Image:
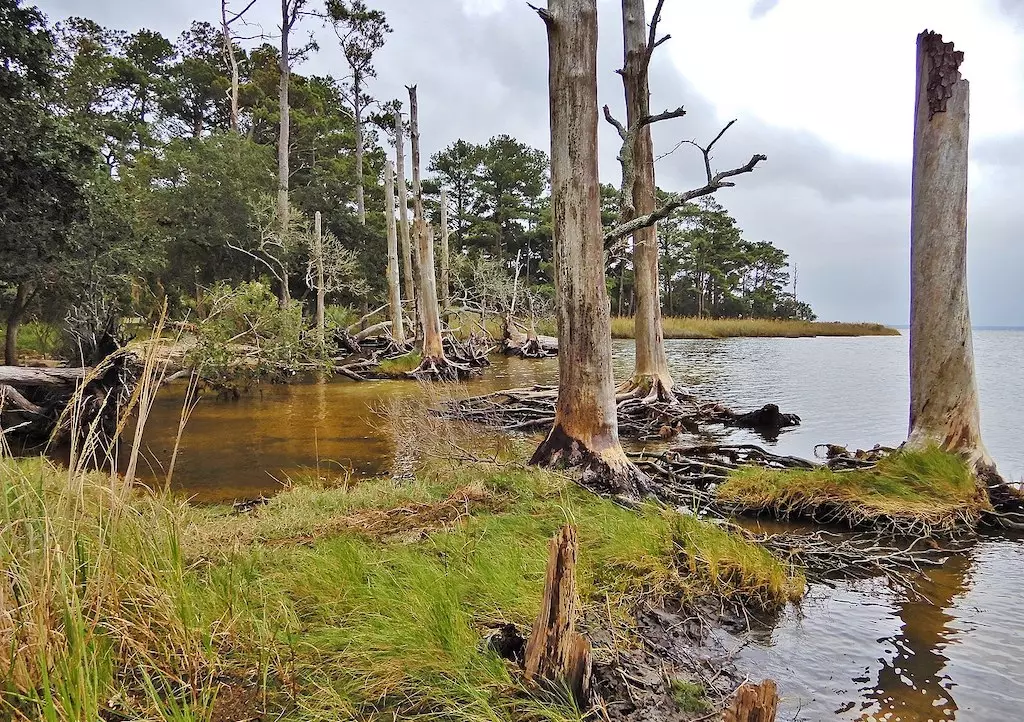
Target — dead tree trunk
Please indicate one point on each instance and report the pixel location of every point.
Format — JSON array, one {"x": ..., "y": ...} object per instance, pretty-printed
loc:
[
  {"x": 651, "y": 376},
  {"x": 944, "y": 407},
  {"x": 557, "y": 656},
  {"x": 394, "y": 288},
  {"x": 434, "y": 364},
  {"x": 585, "y": 432},
  {"x": 229, "y": 55},
  {"x": 753, "y": 703},
  {"x": 289, "y": 15},
  {"x": 445, "y": 282},
  {"x": 358, "y": 114},
  {"x": 318, "y": 239},
  {"x": 411, "y": 292}
]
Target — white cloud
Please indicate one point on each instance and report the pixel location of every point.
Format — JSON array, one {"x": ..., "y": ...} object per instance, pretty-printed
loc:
[{"x": 845, "y": 71}]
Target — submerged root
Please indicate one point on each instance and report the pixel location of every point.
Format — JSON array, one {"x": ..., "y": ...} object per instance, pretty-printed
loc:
[{"x": 440, "y": 368}]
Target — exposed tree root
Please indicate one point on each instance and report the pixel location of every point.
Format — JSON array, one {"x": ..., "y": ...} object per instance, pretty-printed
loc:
[
  {"x": 533, "y": 409},
  {"x": 440, "y": 368},
  {"x": 472, "y": 352},
  {"x": 527, "y": 345},
  {"x": 607, "y": 472}
]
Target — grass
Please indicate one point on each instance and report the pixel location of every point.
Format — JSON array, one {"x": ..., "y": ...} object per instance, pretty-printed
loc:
[
  {"x": 401, "y": 366},
  {"x": 39, "y": 340},
  {"x": 690, "y": 697},
  {"x": 675, "y": 327},
  {"x": 326, "y": 603},
  {"x": 930, "y": 488}
]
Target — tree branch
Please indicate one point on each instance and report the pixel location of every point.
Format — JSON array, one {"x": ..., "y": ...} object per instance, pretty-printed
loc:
[
  {"x": 664, "y": 115},
  {"x": 618, "y": 125},
  {"x": 652, "y": 41},
  {"x": 544, "y": 14}
]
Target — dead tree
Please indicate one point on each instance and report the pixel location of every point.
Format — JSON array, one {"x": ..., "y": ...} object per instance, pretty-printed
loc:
[
  {"x": 585, "y": 432},
  {"x": 409, "y": 285},
  {"x": 290, "y": 13},
  {"x": 944, "y": 408},
  {"x": 227, "y": 19},
  {"x": 651, "y": 379},
  {"x": 321, "y": 291},
  {"x": 446, "y": 298},
  {"x": 557, "y": 656},
  {"x": 394, "y": 288},
  {"x": 753, "y": 703},
  {"x": 434, "y": 363}
]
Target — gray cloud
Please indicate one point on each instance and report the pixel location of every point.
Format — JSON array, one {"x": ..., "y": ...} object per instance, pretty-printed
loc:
[{"x": 843, "y": 219}]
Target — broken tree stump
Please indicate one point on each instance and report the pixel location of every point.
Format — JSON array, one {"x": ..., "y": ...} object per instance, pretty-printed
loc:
[
  {"x": 753, "y": 703},
  {"x": 557, "y": 656}
]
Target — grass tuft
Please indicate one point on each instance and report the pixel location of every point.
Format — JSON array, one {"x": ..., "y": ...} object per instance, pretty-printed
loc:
[
  {"x": 931, "y": 489},
  {"x": 401, "y": 366}
]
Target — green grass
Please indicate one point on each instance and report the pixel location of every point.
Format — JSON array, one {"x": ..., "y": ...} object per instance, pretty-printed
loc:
[
  {"x": 325, "y": 603},
  {"x": 400, "y": 366},
  {"x": 691, "y": 697},
  {"x": 38, "y": 340},
  {"x": 930, "y": 487}
]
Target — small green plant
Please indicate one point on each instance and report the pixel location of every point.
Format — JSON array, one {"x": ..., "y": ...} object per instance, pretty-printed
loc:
[
  {"x": 690, "y": 696},
  {"x": 400, "y": 366}
]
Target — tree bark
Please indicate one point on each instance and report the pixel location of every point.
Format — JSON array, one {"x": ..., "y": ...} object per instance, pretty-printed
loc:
[
  {"x": 944, "y": 408},
  {"x": 394, "y": 288},
  {"x": 434, "y": 362},
  {"x": 22, "y": 298},
  {"x": 753, "y": 703},
  {"x": 411, "y": 291},
  {"x": 651, "y": 375},
  {"x": 558, "y": 656},
  {"x": 318, "y": 238},
  {"x": 445, "y": 260},
  {"x": 358, "y": 113},
  {"x": 284, "y": 110},
  {"x": 585, "y": 431}
]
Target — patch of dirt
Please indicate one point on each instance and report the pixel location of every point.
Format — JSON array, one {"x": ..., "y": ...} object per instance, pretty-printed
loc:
[{"x": 236, "y": 703}]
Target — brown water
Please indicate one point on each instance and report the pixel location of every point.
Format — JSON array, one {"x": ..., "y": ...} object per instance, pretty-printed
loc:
[{"x": 856, "y": 652}]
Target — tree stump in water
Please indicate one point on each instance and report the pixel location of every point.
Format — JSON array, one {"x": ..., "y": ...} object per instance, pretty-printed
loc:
[
  {"x": 753, "y": 703},
  {"x": 557, "y": 656}
]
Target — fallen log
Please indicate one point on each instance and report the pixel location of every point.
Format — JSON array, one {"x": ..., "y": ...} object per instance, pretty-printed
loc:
[{"x": 21, "y": 376}]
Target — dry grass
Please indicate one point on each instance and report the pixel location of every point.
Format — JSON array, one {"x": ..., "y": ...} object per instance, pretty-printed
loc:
[
  {"x": 910, "y": 491},
  {"x": 752, "y": 327}
]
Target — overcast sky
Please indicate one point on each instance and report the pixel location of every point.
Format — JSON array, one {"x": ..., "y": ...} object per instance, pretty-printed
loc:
[{"x": 824, "y": 88}]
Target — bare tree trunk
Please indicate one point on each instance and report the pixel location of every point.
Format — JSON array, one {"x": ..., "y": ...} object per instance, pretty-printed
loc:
[
  {"x": 651, "y": 376},
  {"x": 445, "y": 260},
  {"x": 318, "y": 238},
  {"x": 229, "y": 55},
  {"x": 585, "y": 431},
  {"x": 558, "y": 656},
  {"x": 394, "y": 288},
  {"x": 753, "y": 703},
  {"x": 434, "y": 362},
  {"x": 284, "y": 109},
  {"x": 411, "y": 291},
  {"x": 22, "y": 298},
  {"x": 357, "y": 108},
  {"x": 944, "y": 407}
]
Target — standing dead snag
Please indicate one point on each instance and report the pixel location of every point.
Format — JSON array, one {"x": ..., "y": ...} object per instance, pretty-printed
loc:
[
  {"x": 557, "y": 656},
  {"x": 321, "y": 290},
  {"x": 585, "y": 432},
  {"x": 434, "y": 364},
  {"x": 446, "y": 298},
  {"x": 410, "y": 291},
  {"x": 394, "y": 288},
  {"x": 944, "y": 407}
]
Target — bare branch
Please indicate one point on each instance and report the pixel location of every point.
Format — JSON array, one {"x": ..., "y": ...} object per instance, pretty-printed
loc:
[
  {"x": 715, "y": 182},
  {"x": 664, "y": 115},
  {"x": 652, "y": 41},
  {"x": 544, "y": 14},
  {"x": 618, "y": 125}
]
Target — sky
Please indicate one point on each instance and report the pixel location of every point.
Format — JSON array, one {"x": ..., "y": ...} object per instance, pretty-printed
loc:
[{"x": 824, "y": 88}]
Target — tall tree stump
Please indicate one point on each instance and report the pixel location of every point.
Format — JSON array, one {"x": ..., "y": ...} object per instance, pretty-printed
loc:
[
  {"x": 557, "y": 656},
  {"x": 753, "y": 703}
]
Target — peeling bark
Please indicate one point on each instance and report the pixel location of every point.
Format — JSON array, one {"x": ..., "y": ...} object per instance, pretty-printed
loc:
[{"x": 585, "y": 432}]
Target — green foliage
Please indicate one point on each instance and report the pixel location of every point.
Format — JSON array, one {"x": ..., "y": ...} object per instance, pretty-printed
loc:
[
  {"x": 401, "y": 366},
  {"x": 243, "y": 336},
  {"x": 690, "y": 697}
]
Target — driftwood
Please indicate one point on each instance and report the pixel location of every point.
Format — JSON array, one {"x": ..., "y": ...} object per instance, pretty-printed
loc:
[
  {"x": 557, "y": 656},
  {"x": 529, "y": 344},
  {"x": 39, "y": 404},
  {"x": 753, "y": 703}
]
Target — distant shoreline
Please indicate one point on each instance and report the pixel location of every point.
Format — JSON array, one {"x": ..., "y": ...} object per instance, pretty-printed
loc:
[{"x": 708, "y": 328}]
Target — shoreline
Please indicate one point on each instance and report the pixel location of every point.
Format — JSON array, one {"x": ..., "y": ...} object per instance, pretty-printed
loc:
[{"x": 710, "y": 328}]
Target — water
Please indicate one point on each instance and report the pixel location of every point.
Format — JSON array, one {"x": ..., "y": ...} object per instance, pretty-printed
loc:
[{"x": 857, "y": 652}]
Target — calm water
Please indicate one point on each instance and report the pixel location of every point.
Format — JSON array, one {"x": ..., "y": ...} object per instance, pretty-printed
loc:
[{"x": 859, "y": 652}]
